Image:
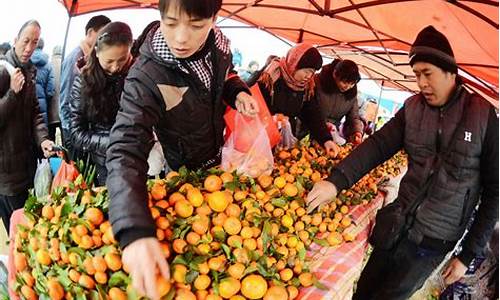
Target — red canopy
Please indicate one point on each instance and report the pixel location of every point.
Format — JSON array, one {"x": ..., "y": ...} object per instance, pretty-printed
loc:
[{"x": 377, "y": 34}]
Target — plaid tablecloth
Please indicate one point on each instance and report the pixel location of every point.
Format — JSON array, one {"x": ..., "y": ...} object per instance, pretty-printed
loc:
[{"x": 339, "y": 267}]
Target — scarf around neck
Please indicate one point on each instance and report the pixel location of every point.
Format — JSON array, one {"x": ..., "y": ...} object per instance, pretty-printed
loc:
[{"x": 285, "y": 68}]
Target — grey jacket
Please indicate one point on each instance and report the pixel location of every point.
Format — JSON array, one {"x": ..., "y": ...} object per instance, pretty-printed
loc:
[
  {"x": 469, "y": 172},
  {"x": 335, "y": 105}
]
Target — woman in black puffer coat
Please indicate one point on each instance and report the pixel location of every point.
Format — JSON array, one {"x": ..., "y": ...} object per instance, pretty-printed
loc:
[{"x": 95, "y": 95}]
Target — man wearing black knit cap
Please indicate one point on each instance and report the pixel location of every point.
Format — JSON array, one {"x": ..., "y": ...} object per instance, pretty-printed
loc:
[{"x": 451, "y": 138}]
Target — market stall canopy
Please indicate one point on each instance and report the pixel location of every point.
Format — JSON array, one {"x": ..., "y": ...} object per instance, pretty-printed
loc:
[{"x": 377, "y": 34}]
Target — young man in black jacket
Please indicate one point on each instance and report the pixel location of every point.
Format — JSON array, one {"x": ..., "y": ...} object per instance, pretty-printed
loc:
[
  {"x": 451, "y": 137},
  {"x": 180, "y": 85}
]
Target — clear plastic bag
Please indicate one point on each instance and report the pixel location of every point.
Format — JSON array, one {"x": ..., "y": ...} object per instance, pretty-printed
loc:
[
  {"x": 43, "y": 179},
  {"x": 248, "y": 150},
  {"x": 287, "y": 139}
]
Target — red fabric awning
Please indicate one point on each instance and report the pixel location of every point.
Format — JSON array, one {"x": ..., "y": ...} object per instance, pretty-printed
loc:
[{"x": 377, "y": 34}]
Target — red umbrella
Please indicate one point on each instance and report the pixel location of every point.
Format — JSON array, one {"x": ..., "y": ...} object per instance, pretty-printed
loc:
[{"x": 377, "y": 34}]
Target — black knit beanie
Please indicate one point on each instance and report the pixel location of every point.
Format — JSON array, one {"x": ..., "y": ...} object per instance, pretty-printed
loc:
[
  {"x": 311, "y": 59},
  {"x": 433, "y": 47}
]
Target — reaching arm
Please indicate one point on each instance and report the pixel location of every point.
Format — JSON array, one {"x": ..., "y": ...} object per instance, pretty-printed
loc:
[
  {"x": 375, "y": 150},
  {"x": 130, "y": 142}
]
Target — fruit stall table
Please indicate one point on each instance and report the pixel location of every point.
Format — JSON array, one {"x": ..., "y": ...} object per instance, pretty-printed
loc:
[
  {"x": 335, "y": 267},
  {"x": 338, "y": 268}
]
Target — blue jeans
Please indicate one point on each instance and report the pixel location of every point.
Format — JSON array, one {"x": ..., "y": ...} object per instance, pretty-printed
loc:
[{"x": 397, "y": 273}]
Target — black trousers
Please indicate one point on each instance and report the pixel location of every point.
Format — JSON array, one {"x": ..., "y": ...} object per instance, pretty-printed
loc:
[
  {"x": 8, "y": 204},
  {"x": 397, "y": 273}
]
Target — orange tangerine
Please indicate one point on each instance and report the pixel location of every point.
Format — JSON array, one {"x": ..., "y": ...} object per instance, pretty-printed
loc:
[
  {"x": 158, "y": 191},
  {"x": 113, "y": 261},
  {"x": 184, "y": 208},
  {"x": 162, "y": 286},
  {"x": 306, "y": 279},
  {"x": 290, "y": 190},
  {"x": 213, "y": 183},
  {"x": 286, "y": 274},
  {"x": 226, "y": 177},
  {"x": 218, "y": 201},
  {"x": 276, "y": 293},
  {"x": 229, "y": 287},
  {"x": 202, "y": 282},
  {"x": 94, "y": 215},
  {"x": 253, "y": 286},
  {"x": 232, "y": 225},
  {"x": 233, "y": 210},
  {"x": 179, "y": 246},
  {"x": 293, "y": 292},
  {"x": 179, "y": 274},
  {"x": 236, "y": 270},
  {"x": 265, "y": 181},
  {"x": 192, "y": 238},
  {"x": 195, "y": 197},
  {"x": 117, "y": 294}
]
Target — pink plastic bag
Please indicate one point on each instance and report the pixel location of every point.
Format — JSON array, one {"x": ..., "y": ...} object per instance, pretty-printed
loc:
[{"x": 252, "y": 158}]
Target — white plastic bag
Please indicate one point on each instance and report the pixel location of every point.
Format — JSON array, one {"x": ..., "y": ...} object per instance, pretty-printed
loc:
[
  {"x": 43, "y": 179},
  {"x": 156, "y": 159},
  {"x": 287, "y": 140},
  {"x": 336, "y": 136},
  {"x": 247, "y": 149}
]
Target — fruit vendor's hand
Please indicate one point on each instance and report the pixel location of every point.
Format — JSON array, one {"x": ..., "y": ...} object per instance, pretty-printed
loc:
[
  {"x": 47, "y": 148},
  {"x": 331, "y": 148},
  {"x": 246, "y": 104},
  {"x": 454, "y": 271},
  {"x": 17, "y": 81},
  {"x": 357, "y": 138},
  {"x": 144, "y": 259},
  {"x": 322, "y": 192}
]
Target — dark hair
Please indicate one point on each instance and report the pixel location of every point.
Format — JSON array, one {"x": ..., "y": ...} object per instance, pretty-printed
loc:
[
  {"x": 96, "y": 23},
  {"x": 26, "y": 24},
  {"x": 4, "y": 47},
  {"x": 57, "y": 50},
  {"x": 347, "y": 71},
  {"x": 40, "y": 44},
  {"x": 253, "y": 62},
  {"x": 328, "y": 84},
  {"x": 136, "y": 46},
  {"x": 93, "y": 76},
  {"x": 199, "y": 8}
]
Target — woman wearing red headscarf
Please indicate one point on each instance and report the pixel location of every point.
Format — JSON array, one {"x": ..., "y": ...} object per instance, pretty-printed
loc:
[{"x": 288, "y": 87}]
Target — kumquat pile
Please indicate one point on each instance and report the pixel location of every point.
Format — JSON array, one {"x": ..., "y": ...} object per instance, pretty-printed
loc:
[{"x": 225, "y": 236}]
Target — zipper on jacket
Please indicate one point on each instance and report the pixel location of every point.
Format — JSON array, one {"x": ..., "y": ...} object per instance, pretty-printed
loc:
[
  {"x": 440, "y": 130},
  {"x": 464, "y": 207},
  {"x": 181, "y": 150}
]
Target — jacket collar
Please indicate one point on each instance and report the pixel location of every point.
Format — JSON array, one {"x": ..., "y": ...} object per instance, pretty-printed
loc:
[{"x": 12, "y": 58}]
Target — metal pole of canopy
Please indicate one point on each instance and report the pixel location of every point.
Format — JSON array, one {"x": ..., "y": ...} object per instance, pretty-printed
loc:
[
  {"x": 70, "y": 15},
  {"x": 378, "y": 105},
  {"x": 65, "y": 39}
]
